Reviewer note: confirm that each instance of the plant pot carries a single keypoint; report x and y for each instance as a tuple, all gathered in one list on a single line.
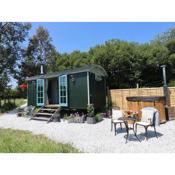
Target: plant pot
[(91, 120)]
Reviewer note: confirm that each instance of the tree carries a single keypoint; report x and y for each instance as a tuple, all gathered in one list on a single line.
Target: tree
[(126, 63), (12, 35), (153, 56), (171, 46), (165, 37), (72, 60), (39, 51), (120, 60)]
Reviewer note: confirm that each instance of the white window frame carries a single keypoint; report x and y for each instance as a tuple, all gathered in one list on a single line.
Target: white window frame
[(64, 83), (42, 82)]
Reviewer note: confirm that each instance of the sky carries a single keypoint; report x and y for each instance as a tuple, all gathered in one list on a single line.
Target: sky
[(70, 36)]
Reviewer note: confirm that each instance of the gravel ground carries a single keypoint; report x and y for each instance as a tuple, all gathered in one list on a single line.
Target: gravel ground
[(96, 138)]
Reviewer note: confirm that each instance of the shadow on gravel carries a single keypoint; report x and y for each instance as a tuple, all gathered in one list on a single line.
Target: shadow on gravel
[(133, 138), (141, 136), (119, 130), (151, 134)]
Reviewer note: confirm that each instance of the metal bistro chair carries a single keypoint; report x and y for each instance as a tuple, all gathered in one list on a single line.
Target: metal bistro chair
[(148, 119), (116, 114), (26, 111)]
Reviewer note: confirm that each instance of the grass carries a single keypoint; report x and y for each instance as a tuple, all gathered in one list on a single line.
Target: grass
[(15, 141), (20, 101)]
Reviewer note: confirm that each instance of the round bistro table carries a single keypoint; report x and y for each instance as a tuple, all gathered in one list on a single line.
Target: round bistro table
[(129, 123)]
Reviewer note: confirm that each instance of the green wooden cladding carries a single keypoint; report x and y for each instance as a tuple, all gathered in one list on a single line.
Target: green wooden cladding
[(97, 92), (31, 93), (77, 88)]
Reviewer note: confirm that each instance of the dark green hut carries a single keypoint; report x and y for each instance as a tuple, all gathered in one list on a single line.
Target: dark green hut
[(74, 89)]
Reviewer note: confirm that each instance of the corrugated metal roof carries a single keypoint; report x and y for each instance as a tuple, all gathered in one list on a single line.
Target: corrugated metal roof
[(96, 69)]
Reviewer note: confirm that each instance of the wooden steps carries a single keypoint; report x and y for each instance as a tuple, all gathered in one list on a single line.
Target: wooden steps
[(52, 106), (44, 114), (41, 118), (47, 109), (47, 113)]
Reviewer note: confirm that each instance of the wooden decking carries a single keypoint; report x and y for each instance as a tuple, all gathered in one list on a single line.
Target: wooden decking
[(47, 113)]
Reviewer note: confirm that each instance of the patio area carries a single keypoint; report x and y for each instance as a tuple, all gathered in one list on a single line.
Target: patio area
[(97, 138)]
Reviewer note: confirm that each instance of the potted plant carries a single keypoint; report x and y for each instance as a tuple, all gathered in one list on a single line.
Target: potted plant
[(90, 114)]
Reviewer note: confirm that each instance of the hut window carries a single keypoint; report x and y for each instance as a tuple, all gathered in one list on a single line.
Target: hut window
[(63, 90), (40, 92)]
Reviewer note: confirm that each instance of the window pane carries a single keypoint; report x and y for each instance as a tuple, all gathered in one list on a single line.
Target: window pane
[(63, 89), (40, 91), (62, 100)]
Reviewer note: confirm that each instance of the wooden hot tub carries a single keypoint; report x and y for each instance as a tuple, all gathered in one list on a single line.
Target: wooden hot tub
[(136, 103)]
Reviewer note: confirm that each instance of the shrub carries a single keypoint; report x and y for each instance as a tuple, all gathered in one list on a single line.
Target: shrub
[(98, 117), (7, 107), (171, 83)]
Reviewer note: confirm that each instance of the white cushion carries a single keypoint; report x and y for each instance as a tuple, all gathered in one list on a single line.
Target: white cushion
[(147, 116), (143, 123), (117, 121), (117, 114)]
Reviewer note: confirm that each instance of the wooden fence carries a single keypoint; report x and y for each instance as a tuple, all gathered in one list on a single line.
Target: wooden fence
[(118, 96)]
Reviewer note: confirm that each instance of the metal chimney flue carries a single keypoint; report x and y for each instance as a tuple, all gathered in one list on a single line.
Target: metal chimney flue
[(165, 89), (164, 75), (41, 69)]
